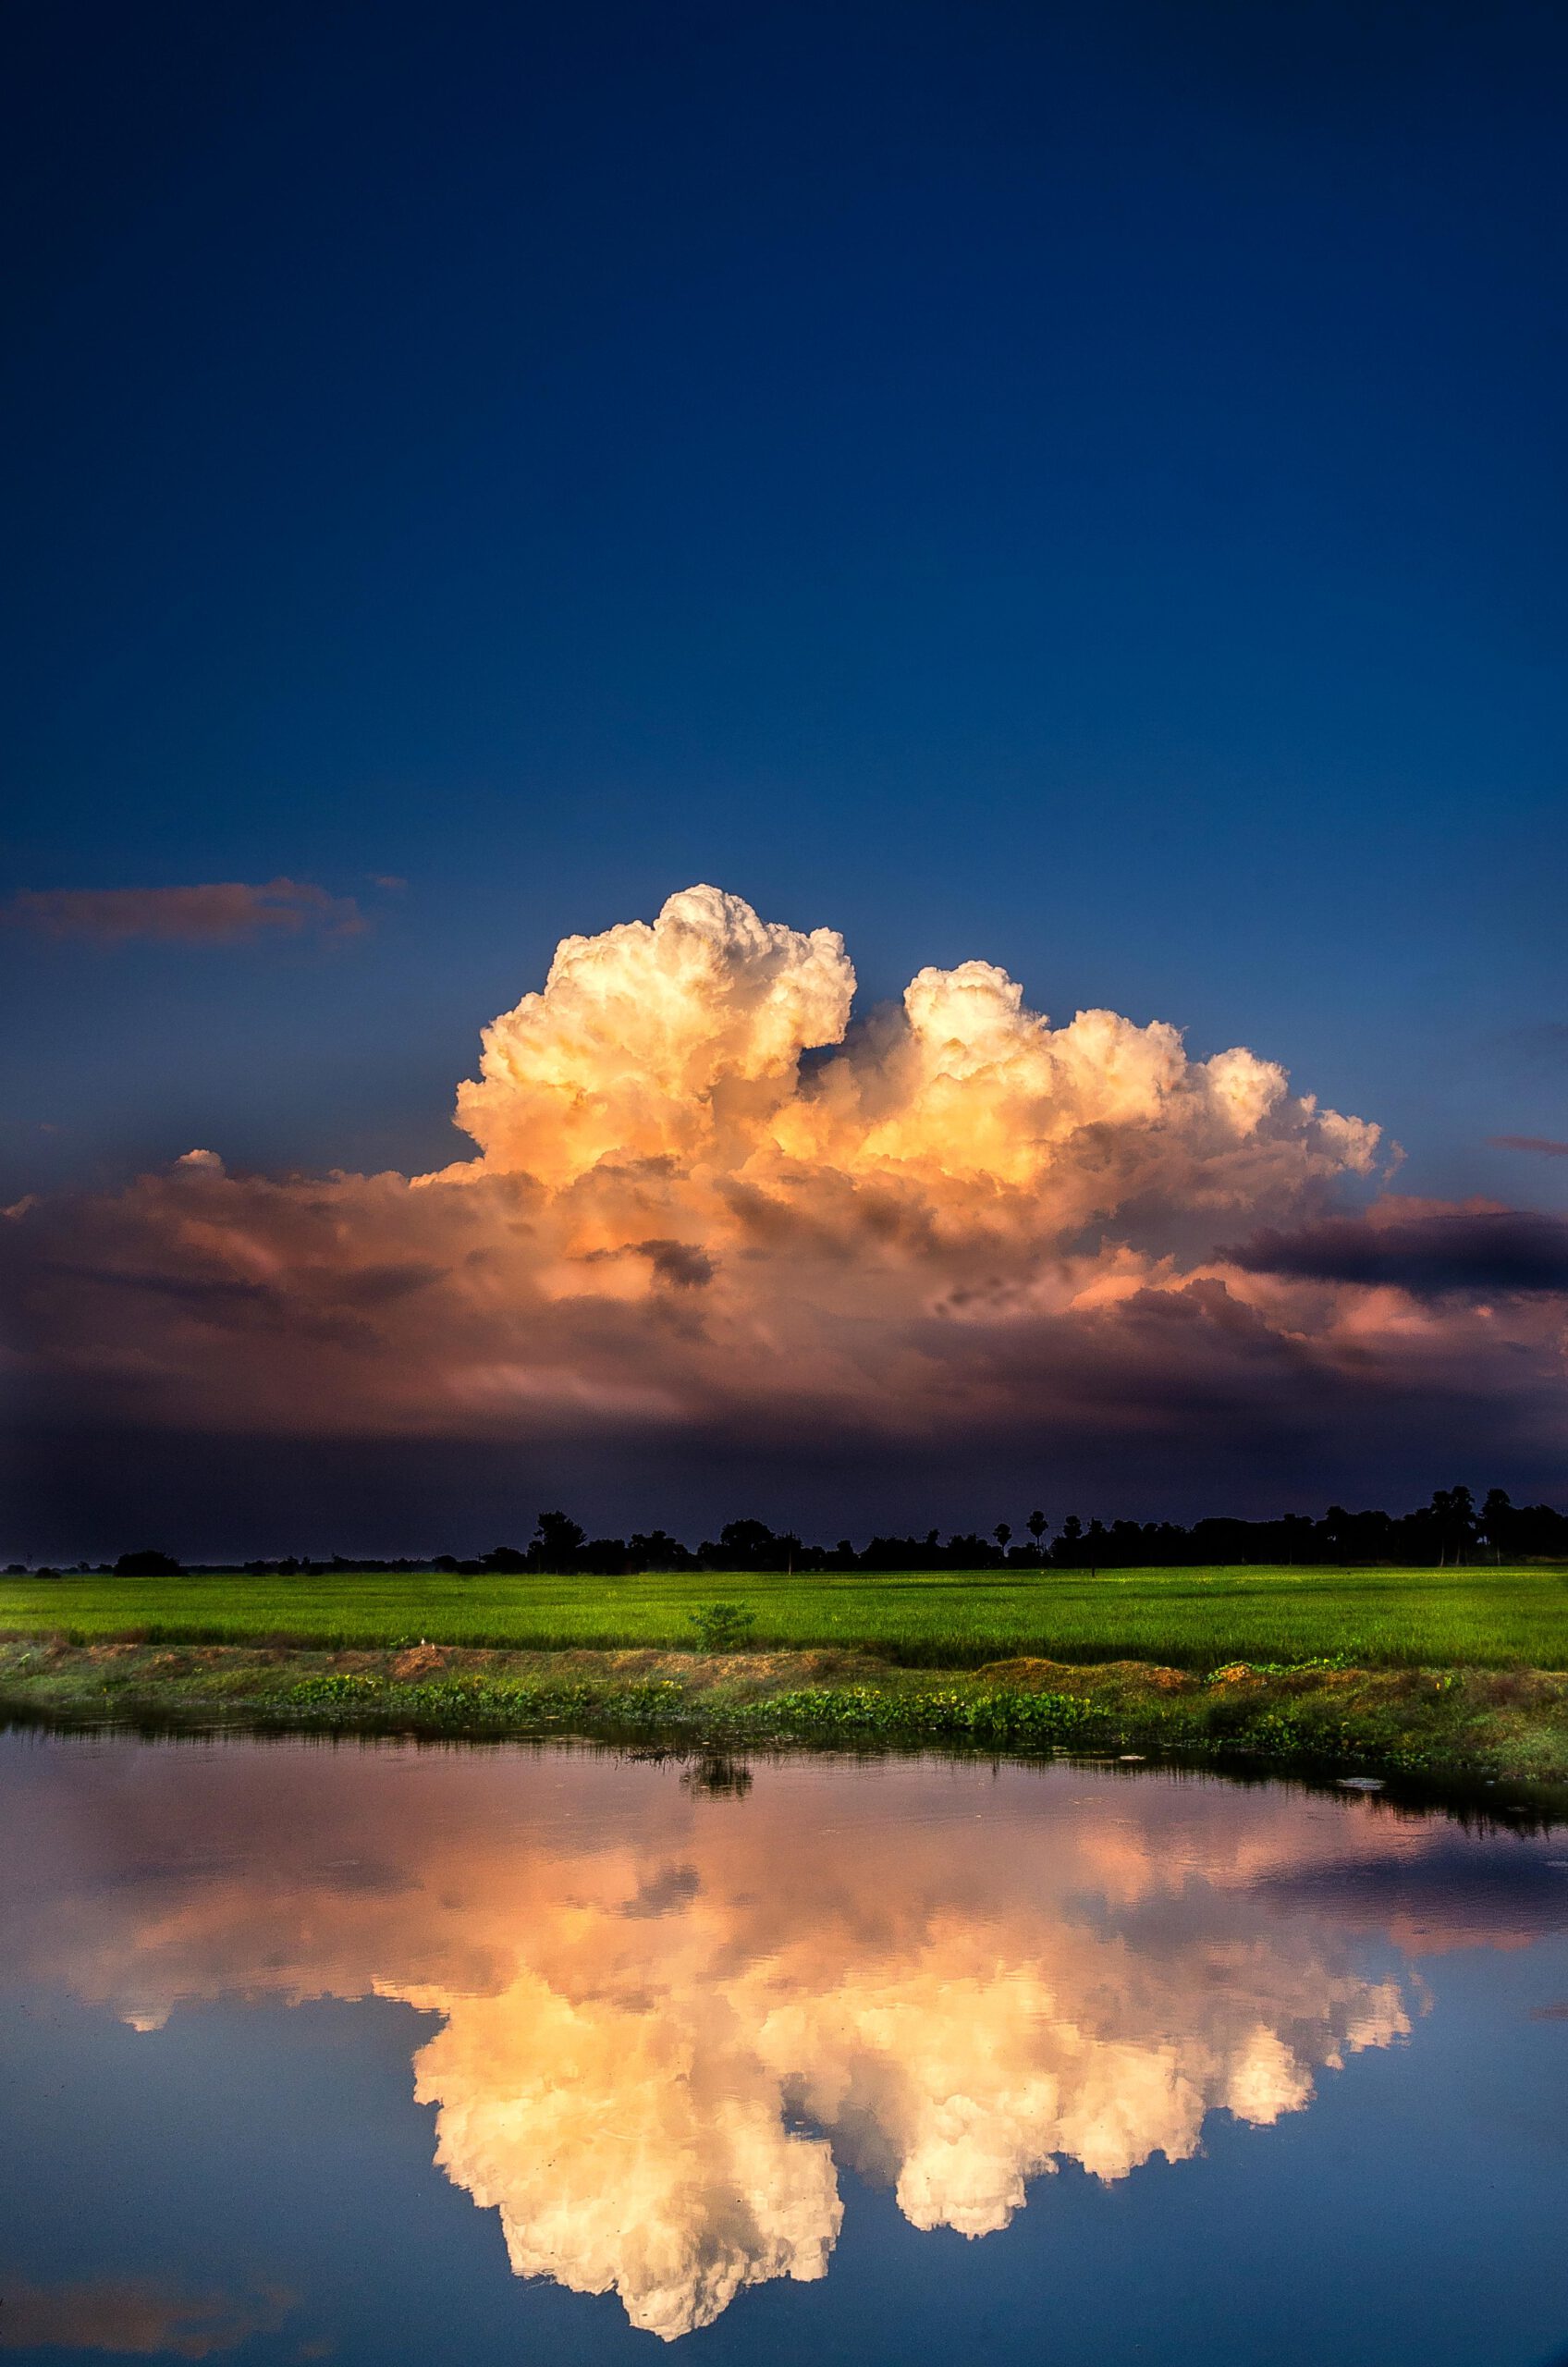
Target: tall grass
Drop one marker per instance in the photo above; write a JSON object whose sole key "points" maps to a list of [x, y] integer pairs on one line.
{"points": [[1186, 1618]]}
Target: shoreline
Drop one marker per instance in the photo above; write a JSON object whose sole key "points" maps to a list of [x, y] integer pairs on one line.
{"points": [[1450, 1733]]}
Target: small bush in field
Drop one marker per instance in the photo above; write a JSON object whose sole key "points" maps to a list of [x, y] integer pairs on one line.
{"points": [[722, 1627]]}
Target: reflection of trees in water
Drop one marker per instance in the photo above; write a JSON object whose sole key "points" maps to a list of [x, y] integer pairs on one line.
{"points": [[716, 1778]]}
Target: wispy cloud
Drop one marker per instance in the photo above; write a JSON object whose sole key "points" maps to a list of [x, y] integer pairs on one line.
{"points": [[220, 912], [1542, 1144]]}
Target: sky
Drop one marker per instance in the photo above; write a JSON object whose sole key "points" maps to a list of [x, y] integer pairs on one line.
{"points": [[1072, 490]]}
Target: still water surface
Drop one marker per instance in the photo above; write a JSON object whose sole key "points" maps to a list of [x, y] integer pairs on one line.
{"points": [[381, 2054]]}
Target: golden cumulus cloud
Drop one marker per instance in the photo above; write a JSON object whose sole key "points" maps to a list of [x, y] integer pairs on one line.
{"points": [[676, 1042], [952, 1218], [678, 1045]]}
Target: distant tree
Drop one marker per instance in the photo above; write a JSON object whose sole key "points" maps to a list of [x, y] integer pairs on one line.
{"points": [[659, 1551], [148, 1564], [604, 1557], [1447, 1530], [975, 1552], [1453, 1511], [1537, 1528], [556, 1544], [748, 1543], [752, 1545], [1498, 1521]]}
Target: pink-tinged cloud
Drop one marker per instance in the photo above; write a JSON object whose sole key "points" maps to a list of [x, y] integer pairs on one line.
{"points": [[960, 1231], [223, 911], [1543, 1144]]}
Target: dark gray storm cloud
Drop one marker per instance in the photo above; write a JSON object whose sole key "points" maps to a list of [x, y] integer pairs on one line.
{"points": [[1432, 1250]]}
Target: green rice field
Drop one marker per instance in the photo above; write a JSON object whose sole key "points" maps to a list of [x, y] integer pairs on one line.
{"points": [[1185, 1618]]}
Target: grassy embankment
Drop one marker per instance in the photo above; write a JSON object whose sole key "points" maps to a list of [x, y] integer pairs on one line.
{"points": [[1439, 1674]]}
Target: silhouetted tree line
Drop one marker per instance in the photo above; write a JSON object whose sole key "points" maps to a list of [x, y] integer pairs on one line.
{"points": [[1453, 1530]]}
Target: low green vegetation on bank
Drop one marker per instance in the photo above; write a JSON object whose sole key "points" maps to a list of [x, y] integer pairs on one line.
{"points": [[1453, 1727], [1195, 1619], [1439, 1675]]}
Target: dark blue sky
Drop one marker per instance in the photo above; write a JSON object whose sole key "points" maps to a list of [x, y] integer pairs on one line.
{"points": [[1083, 488], [1077, 487]]}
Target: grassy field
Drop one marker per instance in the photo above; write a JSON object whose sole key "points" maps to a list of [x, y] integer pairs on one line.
{"points": [[1191, 1619]]}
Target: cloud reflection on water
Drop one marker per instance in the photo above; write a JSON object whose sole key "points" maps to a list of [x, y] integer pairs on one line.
{"points": [[668, 2021], [134, 2317]]}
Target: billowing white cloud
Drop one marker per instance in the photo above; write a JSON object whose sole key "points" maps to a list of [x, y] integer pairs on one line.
{"points": [[679, 1046], [678, 1041], [954, 1218]]}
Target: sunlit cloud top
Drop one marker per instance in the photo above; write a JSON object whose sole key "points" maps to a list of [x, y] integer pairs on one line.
{"points": [[680, 1041], [707, 1200]]}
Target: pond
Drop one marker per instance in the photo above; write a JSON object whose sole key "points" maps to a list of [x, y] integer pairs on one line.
{"points": [[382, 2054]]}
